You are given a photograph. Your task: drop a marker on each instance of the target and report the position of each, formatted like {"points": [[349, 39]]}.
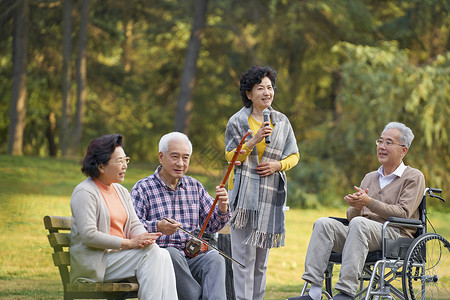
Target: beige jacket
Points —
{"points": [[90, 238], [400, 198]]}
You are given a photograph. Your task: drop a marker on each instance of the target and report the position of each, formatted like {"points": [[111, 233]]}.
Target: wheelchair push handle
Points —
{"points": [[430, 192]]}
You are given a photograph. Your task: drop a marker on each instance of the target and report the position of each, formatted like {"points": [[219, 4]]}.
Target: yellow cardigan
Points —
{"points": [[286, 164]]}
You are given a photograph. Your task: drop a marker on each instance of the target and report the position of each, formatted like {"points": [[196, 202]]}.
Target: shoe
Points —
{"points": [[343, 296], [306, 297]]}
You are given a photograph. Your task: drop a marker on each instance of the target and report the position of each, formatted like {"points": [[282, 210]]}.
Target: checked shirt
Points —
{"points": [[189, 204]]}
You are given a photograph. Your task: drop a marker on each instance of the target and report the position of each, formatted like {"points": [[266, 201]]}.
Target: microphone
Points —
{"points": [[266, 114]]}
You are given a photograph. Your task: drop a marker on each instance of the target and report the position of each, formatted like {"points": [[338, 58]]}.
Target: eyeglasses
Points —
{"points": [[388, 143], [122, 161]]}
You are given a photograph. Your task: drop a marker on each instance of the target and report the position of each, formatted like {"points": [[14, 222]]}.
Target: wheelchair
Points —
{"points": [[406, 268]]}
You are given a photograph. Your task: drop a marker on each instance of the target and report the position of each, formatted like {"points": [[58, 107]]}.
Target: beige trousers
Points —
{"points": [[152, 267], [353, 242]]}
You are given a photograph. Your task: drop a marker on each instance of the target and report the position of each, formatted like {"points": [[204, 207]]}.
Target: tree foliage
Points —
{"points": [[379, 84], [345, 69]]}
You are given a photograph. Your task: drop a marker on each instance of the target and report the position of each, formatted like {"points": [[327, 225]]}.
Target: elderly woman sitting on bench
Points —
{"points": [[108, 242]]}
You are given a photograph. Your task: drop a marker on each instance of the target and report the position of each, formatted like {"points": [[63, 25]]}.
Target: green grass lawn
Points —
{"points": [[32, 187]]}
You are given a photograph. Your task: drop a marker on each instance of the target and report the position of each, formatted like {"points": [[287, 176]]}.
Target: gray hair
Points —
{"points": [[167, 138], [406, 136]]}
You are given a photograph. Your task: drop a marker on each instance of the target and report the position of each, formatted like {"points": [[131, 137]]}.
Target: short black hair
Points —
{"points": [[99, 152], [254, 76]]}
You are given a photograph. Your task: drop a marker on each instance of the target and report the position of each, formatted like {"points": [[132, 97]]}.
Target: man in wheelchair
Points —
{"points": [[394, 190]]}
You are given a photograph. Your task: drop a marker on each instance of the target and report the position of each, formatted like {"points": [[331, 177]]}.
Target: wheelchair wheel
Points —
{"points": [[426, 268]]}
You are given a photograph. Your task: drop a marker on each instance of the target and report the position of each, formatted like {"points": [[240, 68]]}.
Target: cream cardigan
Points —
{"points": [[90, 239]]}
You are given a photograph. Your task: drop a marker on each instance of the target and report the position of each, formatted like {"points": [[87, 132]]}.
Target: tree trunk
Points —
{"points": [[51, 133], [334, 96], [127, 46], [19, 89], [66, 78], [184, 105], [81, 75]]}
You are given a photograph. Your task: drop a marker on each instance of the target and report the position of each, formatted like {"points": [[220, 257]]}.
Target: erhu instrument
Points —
{"points": [[202, 241], [197, 245]]}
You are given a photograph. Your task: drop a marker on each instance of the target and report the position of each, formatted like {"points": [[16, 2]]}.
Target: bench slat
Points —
{"points": [[61, 258], [57, 223], [102, 287], [59, 239]]}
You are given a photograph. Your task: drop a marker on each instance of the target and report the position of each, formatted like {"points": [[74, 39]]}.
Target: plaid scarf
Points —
{"points": [[255, 199]]}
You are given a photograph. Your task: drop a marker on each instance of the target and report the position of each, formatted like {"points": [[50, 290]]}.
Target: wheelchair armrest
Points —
{"points": [[393, 221], [342, 220], [404, 221]]}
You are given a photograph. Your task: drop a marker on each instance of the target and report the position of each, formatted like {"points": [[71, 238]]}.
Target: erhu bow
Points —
{"points": [[197, 245]]}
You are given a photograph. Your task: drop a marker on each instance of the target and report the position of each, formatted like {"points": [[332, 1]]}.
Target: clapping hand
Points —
{"points": [[359, 199]]}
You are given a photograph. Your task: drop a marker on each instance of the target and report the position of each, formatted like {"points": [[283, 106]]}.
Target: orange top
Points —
{"points": [[117, 213]]}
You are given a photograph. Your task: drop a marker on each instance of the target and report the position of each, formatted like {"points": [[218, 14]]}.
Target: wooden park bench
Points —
{"points": [[59, 239]]}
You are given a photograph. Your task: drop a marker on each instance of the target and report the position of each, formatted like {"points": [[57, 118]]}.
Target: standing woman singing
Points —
{"points": [[257, 187]]}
